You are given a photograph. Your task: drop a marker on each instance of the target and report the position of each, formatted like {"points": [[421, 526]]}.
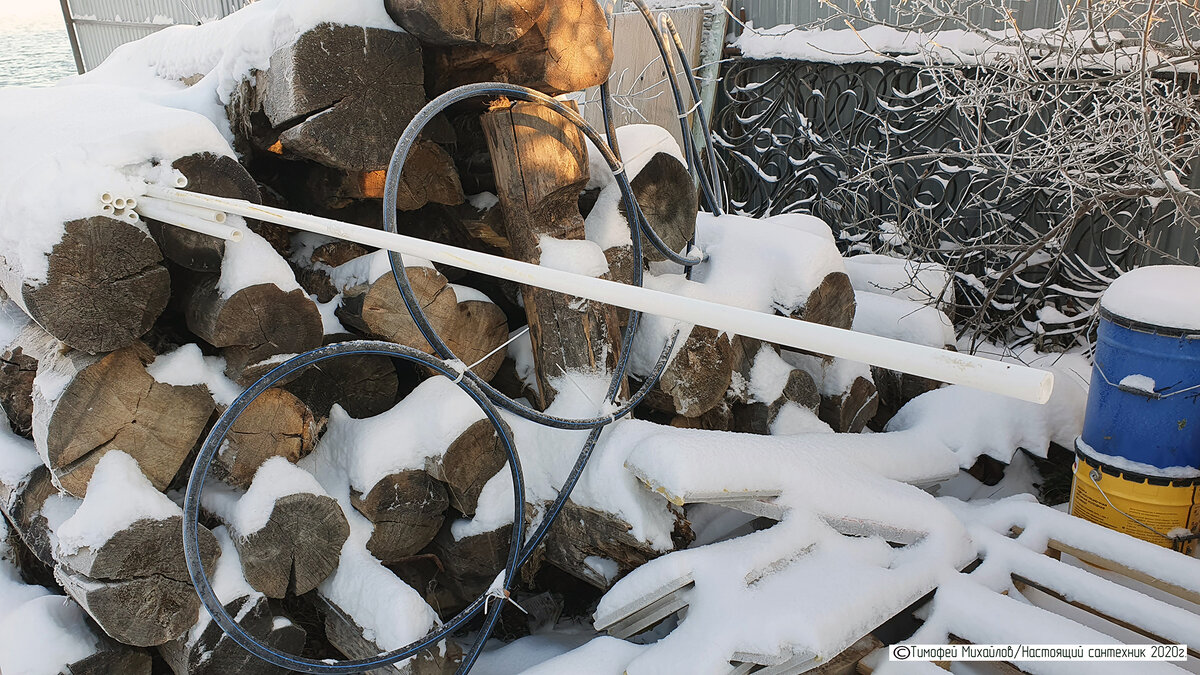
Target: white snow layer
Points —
{"points": [[923, 282], [275, 479], [253, 261], [74, 143], [118, 495], [1160, 295], [188, 365], [900, 319], [578, 256], [43, 635]]}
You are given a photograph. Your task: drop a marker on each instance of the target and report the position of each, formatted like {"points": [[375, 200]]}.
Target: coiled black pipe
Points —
{"points": [[479, 390]]}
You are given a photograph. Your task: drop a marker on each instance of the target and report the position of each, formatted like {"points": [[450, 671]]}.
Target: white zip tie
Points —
{"points": [[496, 590]]}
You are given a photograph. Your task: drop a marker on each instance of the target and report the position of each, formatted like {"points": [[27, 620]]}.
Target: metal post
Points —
{"points": [[69, 20]]}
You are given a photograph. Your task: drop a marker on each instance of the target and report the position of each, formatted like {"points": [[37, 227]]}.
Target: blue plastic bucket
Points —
{"points": [[1144, 399]]}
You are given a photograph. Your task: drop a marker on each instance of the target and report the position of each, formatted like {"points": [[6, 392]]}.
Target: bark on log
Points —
{"points": [[451, 22], [104, 289], [364, 386], [541, 165], [895, 390], [471, 328], [697, 378], [276, 424], [407, 509], [569, 48], [21, 499], [17, 370], [339, 95], [850, 410], [254, 323], [212, 652], [112, 657], [111, 402], [756, 417], [209, 174]]}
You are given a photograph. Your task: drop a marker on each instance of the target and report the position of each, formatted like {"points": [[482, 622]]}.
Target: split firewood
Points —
{"points": [[24, 490], [364, 385], [697, 377], [205, 649], [17, 370], [40, 630], [428, 177], [895, 390], [831, 303], [338, 95], [849, 398], [407, 509], [287, 531], [255, 310], [668, 198], [470, 323], [208, 174], [312, 271], [102, 289], [488, 22], [569, 48], [472, 560], [119, 554], [470, 461], [541, 164], [276, 424], [767, 384], [85, 405], [350, 638]]}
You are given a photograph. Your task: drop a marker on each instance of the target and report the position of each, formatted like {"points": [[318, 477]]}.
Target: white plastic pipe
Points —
{"points": [[1008, 379], [181, 180], [108, 209], [106, 198], [119, 202], [155, 211], [195, 211]]}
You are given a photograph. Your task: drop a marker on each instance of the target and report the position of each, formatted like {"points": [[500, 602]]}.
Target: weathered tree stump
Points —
{"points": [[104, 288], [541, 165]]}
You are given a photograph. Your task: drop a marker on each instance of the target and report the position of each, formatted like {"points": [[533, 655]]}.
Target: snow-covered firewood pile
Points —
{"points": [[782, 501]]}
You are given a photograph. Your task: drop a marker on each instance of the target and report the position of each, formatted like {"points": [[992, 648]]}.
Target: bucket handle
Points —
{"points": [[1094, 476], [1155, 395]]}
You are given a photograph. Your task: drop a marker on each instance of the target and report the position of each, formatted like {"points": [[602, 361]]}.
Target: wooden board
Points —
{"points": [[638, 76]]}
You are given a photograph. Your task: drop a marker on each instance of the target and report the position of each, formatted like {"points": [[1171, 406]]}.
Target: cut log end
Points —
{"points": [[407, 509], [298, 547]]}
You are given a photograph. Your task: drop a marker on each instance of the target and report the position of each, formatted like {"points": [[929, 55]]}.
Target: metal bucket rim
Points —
{"points": [[1134, 476]]}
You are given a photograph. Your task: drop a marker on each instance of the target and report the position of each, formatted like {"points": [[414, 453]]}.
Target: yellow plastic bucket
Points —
{"points": [[1142, 506]]}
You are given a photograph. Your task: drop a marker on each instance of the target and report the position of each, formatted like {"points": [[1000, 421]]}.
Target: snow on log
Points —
{"points": [[85, 405], [337, 95], [17, 370], [396, 482], [205, 649], [41, 632], [209, 174], [849, 398], [450, 22], [255, 309], [569, 48], [120, 555], [467, 320], [104, 288], [767, 386], [541, 164], [287, 531], [367, 608]]}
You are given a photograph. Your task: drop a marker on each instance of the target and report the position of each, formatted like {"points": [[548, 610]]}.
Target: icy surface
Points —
{"points": [[118, 495], [43, 635], [12, 320], [275, 479], [188, 365], [250, 262], [1161, 295]]}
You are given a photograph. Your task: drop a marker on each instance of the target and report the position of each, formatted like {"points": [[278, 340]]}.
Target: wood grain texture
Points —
{"points": [[407, 508], [298, 547], [276, 424], [453, 22]]}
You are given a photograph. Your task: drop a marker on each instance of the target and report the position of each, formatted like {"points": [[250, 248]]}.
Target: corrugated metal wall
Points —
{"points": [[100, 26]]}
